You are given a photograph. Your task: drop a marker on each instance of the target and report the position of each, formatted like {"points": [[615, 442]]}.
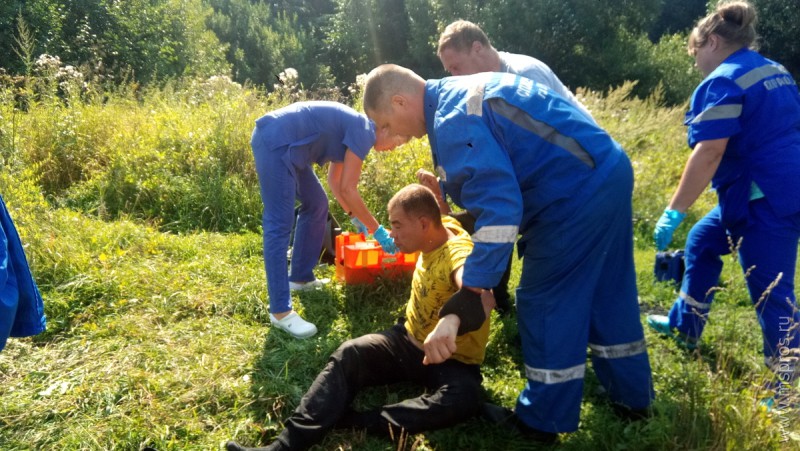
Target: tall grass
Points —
{"points": [[140, 214]]}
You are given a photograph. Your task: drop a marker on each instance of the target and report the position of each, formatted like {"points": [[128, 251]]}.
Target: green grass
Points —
{"points": [[158, 333]]}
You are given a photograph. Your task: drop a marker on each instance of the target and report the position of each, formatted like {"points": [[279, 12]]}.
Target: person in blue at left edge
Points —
{"points": [[744, 129], [286, 144], [523, 160], [21, 306]]}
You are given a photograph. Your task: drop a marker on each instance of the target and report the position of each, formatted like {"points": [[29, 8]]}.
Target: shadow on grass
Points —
{"points": [[287, 366]]}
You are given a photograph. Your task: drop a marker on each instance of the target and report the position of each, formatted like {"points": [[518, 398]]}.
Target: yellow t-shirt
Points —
{"points": [[432, 285]]}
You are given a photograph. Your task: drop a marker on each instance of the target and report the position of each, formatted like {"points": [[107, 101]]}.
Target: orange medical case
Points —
{"points": [[360, 261]]}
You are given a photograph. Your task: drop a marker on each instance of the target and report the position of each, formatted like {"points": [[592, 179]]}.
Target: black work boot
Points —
{"points": [[509, 419]]}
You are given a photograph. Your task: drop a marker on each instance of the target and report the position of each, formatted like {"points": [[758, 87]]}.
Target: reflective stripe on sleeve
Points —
{"points": [[496, 234], [694, 303], [719, 112], [555, 376], [760, 73], [544, 131], [618, 351]]}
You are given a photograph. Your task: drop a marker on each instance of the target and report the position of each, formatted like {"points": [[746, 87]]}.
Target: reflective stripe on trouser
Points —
{"points": [[280, 186], [578, 289], [768, 248]]}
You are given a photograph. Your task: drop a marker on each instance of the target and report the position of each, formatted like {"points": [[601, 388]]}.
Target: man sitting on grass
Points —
{"points": [[400, 353]]}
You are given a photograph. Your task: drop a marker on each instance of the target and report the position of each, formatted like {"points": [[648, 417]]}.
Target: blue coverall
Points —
{"points": [[21, 306], [523, 160], [754, 102], [286, 143]]}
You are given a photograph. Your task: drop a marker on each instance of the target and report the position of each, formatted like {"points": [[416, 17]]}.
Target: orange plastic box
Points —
{"points": [[361, 261]]}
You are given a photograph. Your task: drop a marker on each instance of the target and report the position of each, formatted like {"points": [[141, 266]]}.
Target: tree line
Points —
{"points": [[588, 43]]}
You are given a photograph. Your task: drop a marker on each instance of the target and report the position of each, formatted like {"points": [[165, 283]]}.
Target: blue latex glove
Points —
{"points": [[386, 242], [665, 227], [360, 227]]}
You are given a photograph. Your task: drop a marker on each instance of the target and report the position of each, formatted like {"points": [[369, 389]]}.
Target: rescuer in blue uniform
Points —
{"points": [[21, 307], [744, 129], [286, 144], [523, 160]]}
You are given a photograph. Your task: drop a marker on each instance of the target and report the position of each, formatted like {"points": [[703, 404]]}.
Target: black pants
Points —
{"points": [[453, 390], [501, 295]]}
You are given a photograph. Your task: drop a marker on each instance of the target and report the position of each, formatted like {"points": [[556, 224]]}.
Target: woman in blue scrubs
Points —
{"points": [[286, 143], [744, 128]]}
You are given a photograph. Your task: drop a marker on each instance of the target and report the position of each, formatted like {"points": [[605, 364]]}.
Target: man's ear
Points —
{"points": [[399, 100], [425, 223], [476, 47]]}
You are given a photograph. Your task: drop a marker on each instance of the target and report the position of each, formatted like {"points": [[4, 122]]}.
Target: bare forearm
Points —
{"points": [[697, 174], [351, 201], [343, 182]]}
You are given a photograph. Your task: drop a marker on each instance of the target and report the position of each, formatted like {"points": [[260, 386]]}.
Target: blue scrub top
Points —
{"points": [[317, 132], [754, 102]]}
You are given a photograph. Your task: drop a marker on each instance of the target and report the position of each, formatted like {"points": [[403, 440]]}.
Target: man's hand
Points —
{"points": [[430, 181], [441, 343]]}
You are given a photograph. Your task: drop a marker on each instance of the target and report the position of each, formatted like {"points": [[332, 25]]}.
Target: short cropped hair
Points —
{"points": [[382, 83], [460, 35], [418, 201]]}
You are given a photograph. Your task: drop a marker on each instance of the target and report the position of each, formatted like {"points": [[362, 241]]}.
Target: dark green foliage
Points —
{"points": [[588, 43], [779, 28], [677, 16], [350, 39], [423, 38], [42, 18], [264, 39], [153, 40], [584, 42]]}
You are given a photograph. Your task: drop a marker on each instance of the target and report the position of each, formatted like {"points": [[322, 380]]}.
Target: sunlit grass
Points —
{"points": [[158, 333]]}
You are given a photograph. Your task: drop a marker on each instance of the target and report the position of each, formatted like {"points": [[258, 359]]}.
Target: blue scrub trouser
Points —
{"points": [[578, 289], [768, 247], [281, 184]]}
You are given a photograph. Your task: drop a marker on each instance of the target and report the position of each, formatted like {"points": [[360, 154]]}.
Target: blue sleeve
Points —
{"points": [[4, 258], [8, 302], [479, 176], [360, 136], [19, 294], [716, 111]]}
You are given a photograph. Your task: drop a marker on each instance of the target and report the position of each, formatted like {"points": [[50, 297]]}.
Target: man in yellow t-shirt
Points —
{"points": [[432, 285], [453, 387]]}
